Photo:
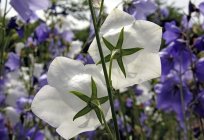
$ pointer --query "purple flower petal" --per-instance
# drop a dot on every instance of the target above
(13, 62)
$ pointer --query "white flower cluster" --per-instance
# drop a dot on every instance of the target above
(58, 106)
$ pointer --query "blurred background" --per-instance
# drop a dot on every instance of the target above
(33, 33)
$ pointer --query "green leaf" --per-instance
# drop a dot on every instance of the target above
(130, 51)
(98, 114)
(82, 112)
(120, 39)
(108, 44)
(107, 59)
(81, 96)
(94, 89)
(102, 100)
(120, 63)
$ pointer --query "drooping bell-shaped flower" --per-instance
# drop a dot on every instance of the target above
(68, 102)
(170, 93)
(198, 104)
(201, 7)
(140, 9)
(199, 69)
(134, 44)
(172, 32)
(42, 32)
(27, 8)
(13, 62)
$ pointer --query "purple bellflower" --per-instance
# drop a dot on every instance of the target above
(201, 8)
(26, 9)
(140, 9)
(198, 105)
(172, 32)
(3, 129)
(176, 57)
(199, 43)
(13, 62)
(68, 35)
(42, 32)
(169, 95)
(199, 70)
(129, 102)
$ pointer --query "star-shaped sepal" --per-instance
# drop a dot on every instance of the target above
(117, 52)
(93, 102)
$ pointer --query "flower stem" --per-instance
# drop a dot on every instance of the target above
(183, 103)
(136, 114)
(201, 124)
(122, 109)
(110, 70)
(105, 124)
(2, 41)
(100, 13)
(109, 89)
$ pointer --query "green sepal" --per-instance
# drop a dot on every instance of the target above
(93, 103)
(98, 114)
(107, 59)
(120, 39)
(130, 51)
(93, 89)
(120, 63)
(82, 112)
(108, 44)
(102, 100)
(81, 96)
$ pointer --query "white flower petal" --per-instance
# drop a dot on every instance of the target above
(116, 19)
(95, 72)
(147, 66)
(61, 70)
(18, 47)
(69, 130)
(112, 4)
(49, 106)
(14, 94)
(12, 115)
(50, 102)
(148, 34)
(147, 93)
(38, 69)
(137, 34)
(75, 48)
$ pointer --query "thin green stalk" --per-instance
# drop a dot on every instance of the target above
(121, 112)
(100, 13)
(201, 124)
(136, 113)
(2, 45)
(109, 88)
(183, 104)
(106, 125)
(110, 69)
(101, 9)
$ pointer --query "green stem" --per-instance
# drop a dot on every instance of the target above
(2, 41)
(106, 125)
(202, 128)
(100, 13)
(110, 69)
(109, 89)
(136, 113)
(123, 114)
(183, 103)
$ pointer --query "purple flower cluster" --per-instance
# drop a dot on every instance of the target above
(181, 85)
